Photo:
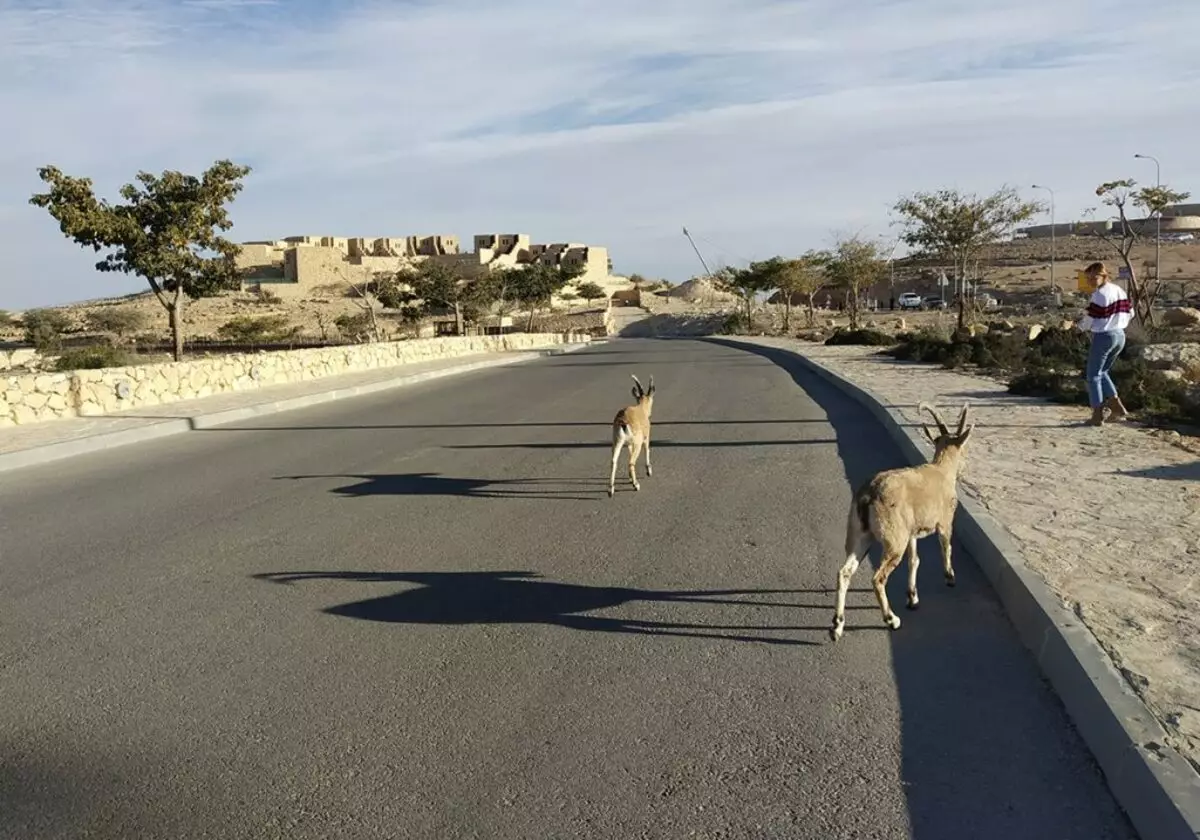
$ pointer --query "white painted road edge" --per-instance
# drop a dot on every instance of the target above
(1157, 788)
(108, 440)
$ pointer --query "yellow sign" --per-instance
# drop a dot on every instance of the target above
(1083, 283)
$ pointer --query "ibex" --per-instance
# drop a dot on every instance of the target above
(632, 426)
(898, 507)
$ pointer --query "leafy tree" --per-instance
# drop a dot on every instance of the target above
(801, 277)
(1153, 200)
(591, 291)
(6, 318)
(747, 282)
(854, 264)
(433, 284)
(44, 328)
(166, 231)
(120, 322)
(535, 284)
(952, 225)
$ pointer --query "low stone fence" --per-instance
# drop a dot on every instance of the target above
(37, 397)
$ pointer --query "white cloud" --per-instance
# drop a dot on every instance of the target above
(762, 124)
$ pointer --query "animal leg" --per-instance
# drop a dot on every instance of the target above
(891, 559)
(649, 468)
(854, 555)
(618, 442)
(913, 562)
(635, 449)
(945, 534)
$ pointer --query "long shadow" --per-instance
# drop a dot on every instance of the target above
(1167, 472)
(987, 750)
(433, 484)
(602, 424)
(521, 597)
(655, 444)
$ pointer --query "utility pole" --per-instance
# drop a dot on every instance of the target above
(1053, 285)
(697, 250)
(1157, 223)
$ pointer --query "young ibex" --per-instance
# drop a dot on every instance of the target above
(632, 426)
(898, 507)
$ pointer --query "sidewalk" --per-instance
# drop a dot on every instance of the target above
(1109, 518)
(39, 443)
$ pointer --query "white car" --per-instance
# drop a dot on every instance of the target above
(909, 300)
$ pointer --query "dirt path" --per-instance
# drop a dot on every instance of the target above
(1110, 517)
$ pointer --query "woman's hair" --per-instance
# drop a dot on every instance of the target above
(1094, 269)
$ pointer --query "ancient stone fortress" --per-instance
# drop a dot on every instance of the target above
(309, 266)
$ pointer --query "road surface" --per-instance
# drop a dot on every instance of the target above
(418, 615)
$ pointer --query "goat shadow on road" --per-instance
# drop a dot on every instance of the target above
(521, 597)
(987, 749)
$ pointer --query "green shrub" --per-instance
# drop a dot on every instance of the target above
(921, 346)
(44, 328)
(248, 328)
(860, 337)
(117, 321)
(91, 358)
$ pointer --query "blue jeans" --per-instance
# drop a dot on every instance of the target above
(1106, 346)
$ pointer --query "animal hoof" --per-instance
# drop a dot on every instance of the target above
(913, 602)
(950, 579)
(835, 632)
(649, 471)
(893, 622)
(611, 493)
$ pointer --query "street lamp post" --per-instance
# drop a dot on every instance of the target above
(1157, 222)
(1053, 285)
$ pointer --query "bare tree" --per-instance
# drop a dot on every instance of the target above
(1119, 195)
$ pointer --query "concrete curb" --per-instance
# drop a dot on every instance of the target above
(1158, 789)
(173, 426)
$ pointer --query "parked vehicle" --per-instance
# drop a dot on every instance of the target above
(909, 300)
(934, 303)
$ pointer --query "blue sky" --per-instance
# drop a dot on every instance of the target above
(765, 126)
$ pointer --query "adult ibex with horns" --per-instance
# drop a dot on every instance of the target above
(898, 507)
(631, 427)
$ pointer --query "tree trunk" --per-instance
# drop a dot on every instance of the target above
(175, 316)
(812, 309)
(458, 318)
(529, 323)
(787, 313)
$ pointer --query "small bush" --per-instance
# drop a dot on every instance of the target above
(44, 328)
(247, 328)
(6, 318)
(265, 296)
(921, 346)
(860, 337)
(94, 357)
(117, 321)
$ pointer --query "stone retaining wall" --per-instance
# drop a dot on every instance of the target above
(34, 398)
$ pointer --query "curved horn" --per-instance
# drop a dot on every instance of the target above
(937, 418)
(638, 383)
(962, 417)
(651, 383)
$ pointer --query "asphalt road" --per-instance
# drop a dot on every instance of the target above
(418, 615)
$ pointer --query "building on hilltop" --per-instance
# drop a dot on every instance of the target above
(304, 266)
(1176, 219)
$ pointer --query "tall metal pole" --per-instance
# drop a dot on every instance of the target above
(1157, 223)
(1053, 285)
(697, 250)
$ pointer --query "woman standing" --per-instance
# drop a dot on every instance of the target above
(1108, 314)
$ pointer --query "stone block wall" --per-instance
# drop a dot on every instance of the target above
(34, 398)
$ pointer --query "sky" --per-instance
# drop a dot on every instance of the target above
(765, 126)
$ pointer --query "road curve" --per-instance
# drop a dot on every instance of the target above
(418, 615)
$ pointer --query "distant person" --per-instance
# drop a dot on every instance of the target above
(1108, 314)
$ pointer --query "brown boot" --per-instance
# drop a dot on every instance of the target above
(1119, 412)
(1097, 418)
